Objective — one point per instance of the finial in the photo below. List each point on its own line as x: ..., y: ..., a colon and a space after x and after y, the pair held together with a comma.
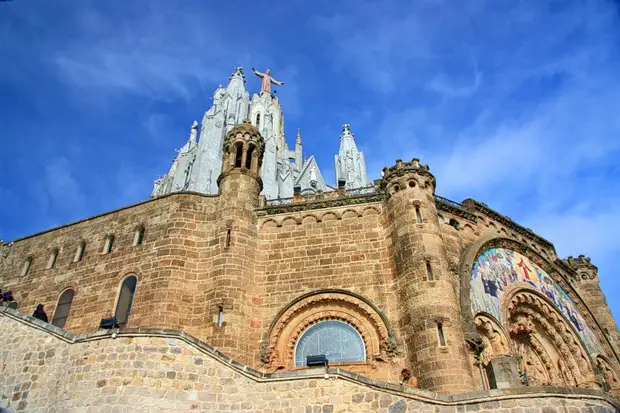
x: 346, y: 130
x: 238, y: 73
x: 298, y: 140
x: 195, y: 125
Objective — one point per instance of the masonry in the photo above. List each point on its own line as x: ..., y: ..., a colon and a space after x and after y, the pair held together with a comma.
x: 142, y: 370
x: 418, y: 303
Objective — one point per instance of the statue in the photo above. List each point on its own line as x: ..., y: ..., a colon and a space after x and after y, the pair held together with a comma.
x: 267, y: 80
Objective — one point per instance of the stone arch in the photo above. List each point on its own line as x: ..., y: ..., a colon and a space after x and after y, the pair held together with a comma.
x: 350, y: 213
x: 269, y: 223
x: 370, y: 210
x: 330, y: 216
x: 373, y: 327
x: 289, y: 221
x: 495, y: 341
x: 545, y: 342
x: 485, y: 242
x: 310, y: 219
x: 606, y: 375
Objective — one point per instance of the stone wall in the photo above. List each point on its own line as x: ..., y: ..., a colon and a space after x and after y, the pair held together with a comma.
x: 45, y: 369
x: 186, y: 270
x: 177, y: 251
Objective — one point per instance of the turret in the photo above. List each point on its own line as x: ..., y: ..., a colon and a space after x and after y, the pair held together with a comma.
x: 587, y: 283
x: 350, y: 163
x: 229, y: 287
x: 432, y: 323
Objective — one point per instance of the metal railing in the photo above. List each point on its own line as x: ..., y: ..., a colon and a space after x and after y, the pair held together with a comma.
x: 365, y: 190
x: 279, y: 201
x: 447, y: 201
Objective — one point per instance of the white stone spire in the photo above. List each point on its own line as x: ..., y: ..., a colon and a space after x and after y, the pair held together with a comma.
x: 298, y: 151
x: 350, y: 164
x: 198, y: 164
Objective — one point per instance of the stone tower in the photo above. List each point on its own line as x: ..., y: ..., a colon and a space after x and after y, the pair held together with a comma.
x: 587, y: 283
x: 229, y: 292
x: 431, y: 318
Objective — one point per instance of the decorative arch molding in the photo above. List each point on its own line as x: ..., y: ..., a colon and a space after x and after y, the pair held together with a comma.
x: 606, y: 375
x: 471, y: 254
x: 488, y: 241
x: 334, y: 304
x: 545, y: 339
x: 495, y: 341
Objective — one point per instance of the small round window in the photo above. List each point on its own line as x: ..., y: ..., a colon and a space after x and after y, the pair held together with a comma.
x: 337, y: 340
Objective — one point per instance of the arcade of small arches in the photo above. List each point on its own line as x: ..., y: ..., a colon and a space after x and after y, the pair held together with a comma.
x: 243, y: 150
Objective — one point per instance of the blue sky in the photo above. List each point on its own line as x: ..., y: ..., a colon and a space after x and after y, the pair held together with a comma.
x: 513, y: 103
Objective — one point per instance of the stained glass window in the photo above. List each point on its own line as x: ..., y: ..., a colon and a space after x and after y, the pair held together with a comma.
x: 338, y: 341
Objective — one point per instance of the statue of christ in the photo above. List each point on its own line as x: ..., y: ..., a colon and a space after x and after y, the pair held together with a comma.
x: 267, y: 80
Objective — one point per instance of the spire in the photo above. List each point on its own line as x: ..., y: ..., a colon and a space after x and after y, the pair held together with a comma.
x: 298, y: 151
x: 237, y: 74
x: 350, y: 163
x: 346, y: 132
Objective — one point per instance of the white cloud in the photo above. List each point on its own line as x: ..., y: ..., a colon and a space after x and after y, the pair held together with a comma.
x: 61, y: 185
x: 157, y: 52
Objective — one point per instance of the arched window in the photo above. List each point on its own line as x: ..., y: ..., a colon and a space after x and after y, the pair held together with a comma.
x: 337, y: 340
x: 62, y: 308
x: 125, y: 299
x: 258, y: 120
x: 52, y: 261
x: 418, y: 215
x: 238, y: 155
x: 26, y: 267
x: 248, y: 157
x: 138, y: 236
x: 79, y: 253
x: 109, y: 243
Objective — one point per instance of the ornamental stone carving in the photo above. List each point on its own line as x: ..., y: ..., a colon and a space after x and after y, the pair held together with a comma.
x: 379, y: 340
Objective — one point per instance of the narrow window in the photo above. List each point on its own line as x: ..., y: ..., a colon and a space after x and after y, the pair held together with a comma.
x: 52, y: 261
x: 248, y: 157
x: 442, y: 339
x: 429, y: 271
x: 79, y: 253
x: 109, y: 243
x: 418, y: 215
x: 125, y: 299
x: 138, y: 236
x: 239, y: 156
x: 258, y: 120
x: 27, y: 265
x: 220, y: 317
x: 62, y: 308
x: 228, y: 238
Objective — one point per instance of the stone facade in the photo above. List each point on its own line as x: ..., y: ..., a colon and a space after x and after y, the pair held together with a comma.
x: 249, y: 276
x: 48, y: 370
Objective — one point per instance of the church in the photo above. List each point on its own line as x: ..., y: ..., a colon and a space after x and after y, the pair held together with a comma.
x: 249, y: 282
